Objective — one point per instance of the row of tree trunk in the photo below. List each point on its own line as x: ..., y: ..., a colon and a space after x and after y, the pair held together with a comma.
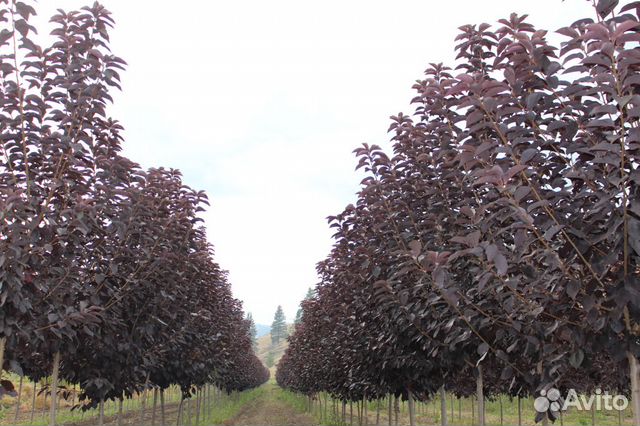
x: 190, y: 411
x: 320, y: 406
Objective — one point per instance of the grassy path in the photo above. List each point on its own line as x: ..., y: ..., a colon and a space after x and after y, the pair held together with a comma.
x: 272, y: 407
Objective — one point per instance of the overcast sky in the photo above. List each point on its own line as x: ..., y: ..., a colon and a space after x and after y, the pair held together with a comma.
x: 260, y: 103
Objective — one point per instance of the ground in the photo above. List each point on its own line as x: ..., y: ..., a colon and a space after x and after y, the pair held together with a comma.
x: 273, y: 407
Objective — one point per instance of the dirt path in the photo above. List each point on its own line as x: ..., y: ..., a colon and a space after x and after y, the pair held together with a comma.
x: 270, y: 408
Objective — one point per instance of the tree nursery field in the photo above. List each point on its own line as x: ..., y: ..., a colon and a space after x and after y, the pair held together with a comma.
x: 487, y: 271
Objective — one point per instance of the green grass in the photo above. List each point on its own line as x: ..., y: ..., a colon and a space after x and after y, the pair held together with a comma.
x: 429, y: 413
x: 295, y: 400
x: 230, y: 405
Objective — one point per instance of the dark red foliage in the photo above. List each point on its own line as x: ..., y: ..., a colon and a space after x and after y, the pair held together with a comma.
x: 100, y: 261
x: 502, y: 231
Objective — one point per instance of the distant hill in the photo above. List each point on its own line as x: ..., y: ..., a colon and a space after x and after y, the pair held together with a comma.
x: 262, y: 329
x: 266, y: 352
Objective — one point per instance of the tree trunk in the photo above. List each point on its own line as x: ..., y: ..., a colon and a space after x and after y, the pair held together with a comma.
x: 452, y: 406
x: 459, y: 408
x: 593, y: 414
x: 155, y: 403
x: 443, y: 406
x: 480, y: 394
x: 19, y: 398
x: 501, y: 411
x: 120, y: 404
x: 33, y: 401
x: 180, y: 411
x: 634, y: 372
x: 162, y: 418
x: 378, y: 413
x: 519, y: 411
x: 473, y: 412
x: 396, y: 407
x: 365, y: 411
x: 412, y: 409
x: 325, y: 407
x: 3, y: 343
x: 350, y: 413
x: 44, y: 406
x: 101, y: 416
x: 390, y: 410
x: 54, y: 388
x: 198, y: 405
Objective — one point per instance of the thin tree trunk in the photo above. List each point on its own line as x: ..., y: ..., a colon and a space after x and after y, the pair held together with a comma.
x: 33, y: 401
x: 519, y: 411
x: 153, y: 410
x: 378, y: 413
x: 473, y: 411
x: 480, y: 394
x: 101, y: 417
x: 619, y: 417
x: 120, y: 404
x: 365, y: 411
x: 390, y: 410
x: 350, y: 413
x: 3, y: 344
x: 459, y: 408
x: 179, y: 411
x: 189, y: 412
x: 54, y: 388
x: 634, y: 372
x: 412, y: 409
x: 593, y: 414
x: 44, y: 406
x: 19, y: 398
x: 443, y: 406
x: 325, y: 407
x: 198, y: 395
x: 452, y: 407
x: 162, y: 418
x: 501, y: 411
x: 396, y: 406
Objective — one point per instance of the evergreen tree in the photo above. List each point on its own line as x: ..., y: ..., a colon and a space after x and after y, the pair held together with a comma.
x: 278, y: 327
x: 310, y: 294
x: 253, y: 333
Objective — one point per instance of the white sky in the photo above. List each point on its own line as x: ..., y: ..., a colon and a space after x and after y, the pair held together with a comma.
x: 260, y: 103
